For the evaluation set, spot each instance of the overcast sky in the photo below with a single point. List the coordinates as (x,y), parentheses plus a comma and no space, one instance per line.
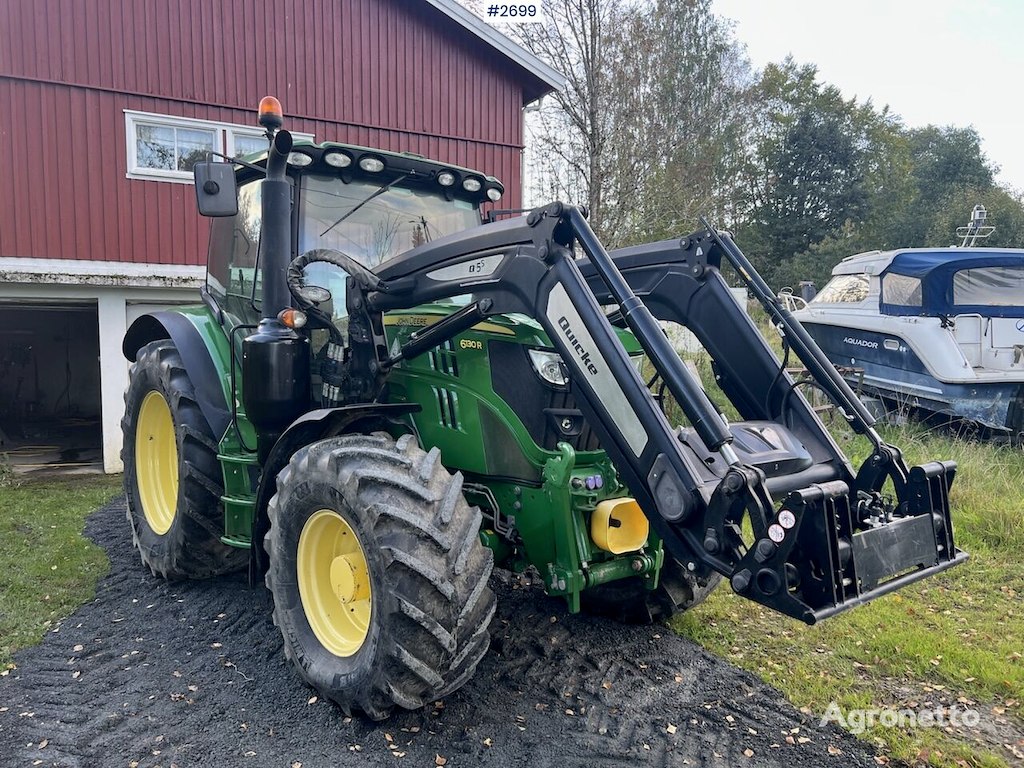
(948,62)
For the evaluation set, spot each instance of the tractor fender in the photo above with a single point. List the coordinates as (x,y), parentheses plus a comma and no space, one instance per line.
(195,354)
(308,428)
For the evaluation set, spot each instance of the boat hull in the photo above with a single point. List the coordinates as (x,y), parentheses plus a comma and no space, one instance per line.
(889,368)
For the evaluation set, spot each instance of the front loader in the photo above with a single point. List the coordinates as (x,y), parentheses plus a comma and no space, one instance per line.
(379,398)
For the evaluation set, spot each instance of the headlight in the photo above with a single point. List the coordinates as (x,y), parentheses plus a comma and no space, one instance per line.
(371,164)
(472,184)
(338,159)
(446,178)
(494,194)
(549,366)
(299,159)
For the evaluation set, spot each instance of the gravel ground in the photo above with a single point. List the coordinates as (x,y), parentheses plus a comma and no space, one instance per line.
(192,674)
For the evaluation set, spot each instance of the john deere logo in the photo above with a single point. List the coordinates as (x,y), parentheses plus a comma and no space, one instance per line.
(581,353)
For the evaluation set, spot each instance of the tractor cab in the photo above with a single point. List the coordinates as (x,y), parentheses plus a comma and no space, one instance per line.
(368,204)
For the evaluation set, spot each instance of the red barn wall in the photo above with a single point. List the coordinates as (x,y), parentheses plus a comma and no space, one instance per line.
(394,74)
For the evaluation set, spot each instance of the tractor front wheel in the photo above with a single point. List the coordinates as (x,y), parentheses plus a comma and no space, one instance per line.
(171,473)
(378,574)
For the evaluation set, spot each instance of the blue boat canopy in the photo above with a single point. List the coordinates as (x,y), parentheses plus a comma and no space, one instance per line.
(951,281)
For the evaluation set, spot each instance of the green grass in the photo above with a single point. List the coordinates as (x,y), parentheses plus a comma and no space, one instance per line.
(955,638)
(47,568)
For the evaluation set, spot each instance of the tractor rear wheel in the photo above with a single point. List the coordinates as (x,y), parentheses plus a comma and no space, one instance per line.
(171,473)
(378,574)
(628,601)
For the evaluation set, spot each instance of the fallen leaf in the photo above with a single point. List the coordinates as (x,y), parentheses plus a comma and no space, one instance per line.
(78,648)
(296,764)
(748,752)
(438,760)
(312,700)
(671,728)
(488,742)
(43,743)
(834,750)
(76,674)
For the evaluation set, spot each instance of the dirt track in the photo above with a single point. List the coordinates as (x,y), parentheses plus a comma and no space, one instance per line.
(192,674)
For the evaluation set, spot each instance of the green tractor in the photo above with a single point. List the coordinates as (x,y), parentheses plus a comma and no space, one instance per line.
(379,397)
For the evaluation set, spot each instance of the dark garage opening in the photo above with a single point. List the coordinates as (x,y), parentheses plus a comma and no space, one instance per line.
(50,386)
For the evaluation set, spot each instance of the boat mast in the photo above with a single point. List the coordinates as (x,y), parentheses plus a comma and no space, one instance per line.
(976,229)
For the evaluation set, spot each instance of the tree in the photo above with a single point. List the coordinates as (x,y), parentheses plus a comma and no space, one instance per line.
(948,167)
(1005,213)
(573,157)
(686,97)
(808,170)
(648,130)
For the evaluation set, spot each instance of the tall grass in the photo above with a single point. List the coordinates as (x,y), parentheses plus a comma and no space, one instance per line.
(954,638)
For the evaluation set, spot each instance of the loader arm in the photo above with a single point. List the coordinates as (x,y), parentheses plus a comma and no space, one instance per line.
(829,545)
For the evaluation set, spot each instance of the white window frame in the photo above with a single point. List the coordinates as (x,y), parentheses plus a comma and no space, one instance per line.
(224,141)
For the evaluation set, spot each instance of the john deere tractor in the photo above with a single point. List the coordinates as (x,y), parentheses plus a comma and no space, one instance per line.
(379,397)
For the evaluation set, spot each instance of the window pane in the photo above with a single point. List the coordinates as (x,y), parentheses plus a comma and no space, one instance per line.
(373,224)
(193,146)
(843,289)
(154,147)
(246,144)
(994,286)
(901,290)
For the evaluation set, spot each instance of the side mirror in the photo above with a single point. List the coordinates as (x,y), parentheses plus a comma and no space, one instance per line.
(216,191)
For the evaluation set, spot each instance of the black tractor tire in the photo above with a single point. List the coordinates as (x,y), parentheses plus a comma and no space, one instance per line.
(428,600)
(180,537)
(627,600)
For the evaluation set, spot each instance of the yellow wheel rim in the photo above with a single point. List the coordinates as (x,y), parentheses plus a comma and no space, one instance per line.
(156,462)
(334,582)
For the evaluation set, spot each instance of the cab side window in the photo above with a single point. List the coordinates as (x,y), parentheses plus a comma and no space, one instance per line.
(234,276)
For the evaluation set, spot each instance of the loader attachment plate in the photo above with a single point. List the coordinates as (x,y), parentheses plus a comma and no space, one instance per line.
(816,558)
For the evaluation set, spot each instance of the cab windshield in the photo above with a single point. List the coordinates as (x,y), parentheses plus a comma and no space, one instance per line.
(373,224)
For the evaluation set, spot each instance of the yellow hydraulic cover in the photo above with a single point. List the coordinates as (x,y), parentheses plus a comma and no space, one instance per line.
(619,525)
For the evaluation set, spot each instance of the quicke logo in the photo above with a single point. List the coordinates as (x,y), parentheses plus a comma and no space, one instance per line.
(581,353)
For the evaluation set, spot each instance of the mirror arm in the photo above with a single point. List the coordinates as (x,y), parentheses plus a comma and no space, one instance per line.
(236,161)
